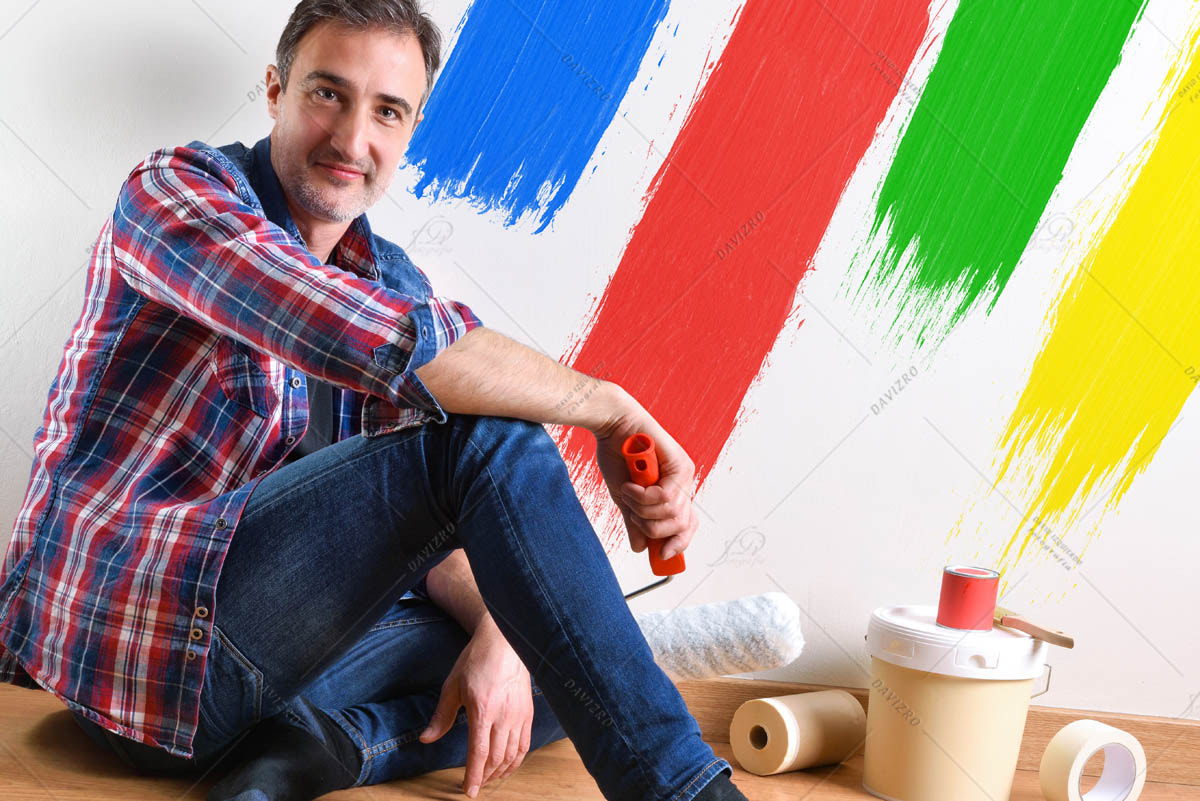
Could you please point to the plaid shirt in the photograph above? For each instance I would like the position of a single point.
(181, 385)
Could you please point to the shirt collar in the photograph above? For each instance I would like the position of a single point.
(355, 251)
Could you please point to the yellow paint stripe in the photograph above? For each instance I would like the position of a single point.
(1124, 351)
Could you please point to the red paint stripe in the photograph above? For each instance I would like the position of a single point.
(734, 217)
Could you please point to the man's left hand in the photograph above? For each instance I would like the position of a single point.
(490, 680)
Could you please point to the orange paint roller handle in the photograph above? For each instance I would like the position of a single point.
(642, 460)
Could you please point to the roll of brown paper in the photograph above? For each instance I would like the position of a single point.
(793, 732)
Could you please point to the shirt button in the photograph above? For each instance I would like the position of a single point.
(290, 440)
(191, 655)
(201, 611)
(296, 381)
(197, 634)
(222, 522)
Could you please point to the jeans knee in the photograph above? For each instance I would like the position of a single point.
(498, 437)
(508, 427)
(510, 455)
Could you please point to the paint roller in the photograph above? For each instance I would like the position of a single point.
(745, 635)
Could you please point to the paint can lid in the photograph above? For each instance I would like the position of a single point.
(911, 637)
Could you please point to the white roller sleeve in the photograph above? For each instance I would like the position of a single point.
(746, 635)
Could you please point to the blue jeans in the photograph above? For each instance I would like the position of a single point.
(314, 615)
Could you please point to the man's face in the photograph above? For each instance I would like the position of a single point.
(349, 103)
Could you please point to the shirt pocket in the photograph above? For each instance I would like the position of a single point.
(241, 376)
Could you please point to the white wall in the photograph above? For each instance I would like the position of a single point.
(870, 497)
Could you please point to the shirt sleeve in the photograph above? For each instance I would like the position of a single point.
(184, 237)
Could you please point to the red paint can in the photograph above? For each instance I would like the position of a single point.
(968, 598)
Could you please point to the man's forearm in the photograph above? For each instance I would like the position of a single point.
(451, 585)
(487, 373)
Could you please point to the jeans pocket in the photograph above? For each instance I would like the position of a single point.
(231, 699)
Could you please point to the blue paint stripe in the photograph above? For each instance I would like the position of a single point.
(524, 98)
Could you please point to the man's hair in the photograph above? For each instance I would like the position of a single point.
(397, 16)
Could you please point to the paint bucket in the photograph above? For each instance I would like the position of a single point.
(947, 706)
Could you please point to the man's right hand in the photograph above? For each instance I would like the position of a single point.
(660, 511)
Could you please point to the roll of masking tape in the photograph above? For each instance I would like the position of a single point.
(792, 732)
(1124, 772)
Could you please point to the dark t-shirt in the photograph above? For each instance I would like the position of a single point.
(321, 419)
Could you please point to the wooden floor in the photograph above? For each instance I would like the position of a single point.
(45, 756)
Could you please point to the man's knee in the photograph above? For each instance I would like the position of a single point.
(506, 436)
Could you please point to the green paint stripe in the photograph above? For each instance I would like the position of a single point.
(983, 150)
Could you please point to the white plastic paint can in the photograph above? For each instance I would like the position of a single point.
(947, 707)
